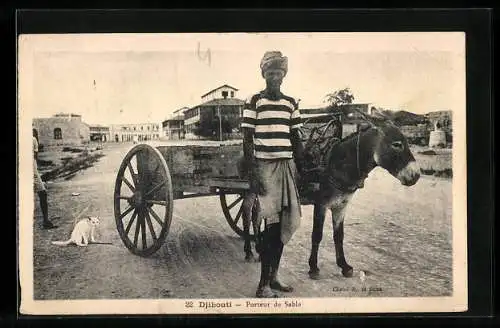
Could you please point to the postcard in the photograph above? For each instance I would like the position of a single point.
(242, 173)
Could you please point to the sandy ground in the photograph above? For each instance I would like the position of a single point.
(401, 236)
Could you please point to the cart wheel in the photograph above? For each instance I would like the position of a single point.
(233, 211)
(143, 200)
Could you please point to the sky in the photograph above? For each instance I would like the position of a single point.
(138, 78)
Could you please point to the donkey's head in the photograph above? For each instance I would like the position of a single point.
(391, 152)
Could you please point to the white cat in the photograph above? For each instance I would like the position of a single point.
(83, 232)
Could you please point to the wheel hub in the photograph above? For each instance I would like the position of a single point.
(137, 200)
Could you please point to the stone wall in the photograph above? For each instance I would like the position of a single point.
(73, 131)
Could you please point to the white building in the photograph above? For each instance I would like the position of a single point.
(221, 102)
(173, 126)
(222, 92)
(126, 132)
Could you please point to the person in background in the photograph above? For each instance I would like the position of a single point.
(272, 149)
(41, 189)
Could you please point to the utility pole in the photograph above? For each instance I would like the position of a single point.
(99, 132)
(220, 124)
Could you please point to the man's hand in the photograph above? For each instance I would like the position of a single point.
(249, 164)
(246, 167)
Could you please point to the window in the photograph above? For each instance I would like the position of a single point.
(224, 94)
(232, 94)
(57, 133)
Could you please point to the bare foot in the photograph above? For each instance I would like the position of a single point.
(281, 287)
(265, 292)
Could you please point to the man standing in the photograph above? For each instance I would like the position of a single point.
(271, 143)
(40, 189)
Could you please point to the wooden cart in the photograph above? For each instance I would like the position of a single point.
(151, 178)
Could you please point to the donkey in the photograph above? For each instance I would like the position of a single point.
(348, 164)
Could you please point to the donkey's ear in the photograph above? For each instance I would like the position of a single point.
(375, 112)
(379, 117)
(375, 120)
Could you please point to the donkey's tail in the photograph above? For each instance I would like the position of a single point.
(62, 243)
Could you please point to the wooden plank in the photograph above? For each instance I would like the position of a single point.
(194, 189)
(198, 163)
(196, 195)
(230, 183)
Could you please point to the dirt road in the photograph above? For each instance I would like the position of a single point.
(401, 236)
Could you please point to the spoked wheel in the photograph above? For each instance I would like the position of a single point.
(233, 211)
(143, 200)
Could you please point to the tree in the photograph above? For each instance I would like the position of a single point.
(204, 128)
(212, 128)
(226, 126)
(340, 97)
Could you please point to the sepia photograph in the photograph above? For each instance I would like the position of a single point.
(242, 173)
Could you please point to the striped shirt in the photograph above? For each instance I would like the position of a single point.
(272, 120)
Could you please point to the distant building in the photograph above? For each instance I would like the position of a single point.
(173, 127)
(365, 108)
(318, 116)
(99, 133)
(126, 132)
(217, 102)
(222, 92)
(61, 129)
(443, 118)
